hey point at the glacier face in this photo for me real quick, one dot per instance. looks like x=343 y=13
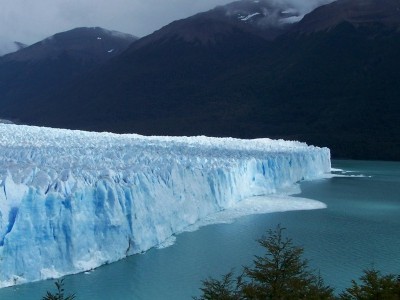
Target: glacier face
x=72 y=200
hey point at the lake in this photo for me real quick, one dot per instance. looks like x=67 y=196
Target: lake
x=358 y=229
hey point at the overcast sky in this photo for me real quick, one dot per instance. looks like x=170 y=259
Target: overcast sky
x=29 y=21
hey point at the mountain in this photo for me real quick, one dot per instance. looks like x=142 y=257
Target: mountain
x=331 y=81
x=203 y=44
x=35 y=70
x=356 y=12
x=88 y=45
x=264 y=18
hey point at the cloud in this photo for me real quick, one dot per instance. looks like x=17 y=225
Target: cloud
x=305 y=6
x=30 y=21
x=7 y=46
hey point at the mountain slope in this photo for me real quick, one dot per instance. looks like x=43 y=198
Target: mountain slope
x=163 y=68
x=333 y=85
x=85 y=44
x=159 y=81
x=356 y=12
x=55 y=61
x=264 y=18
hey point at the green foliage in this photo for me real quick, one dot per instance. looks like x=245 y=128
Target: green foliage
x=373 y=286
x=280 y=274
x=228 y=288
x=59 y=295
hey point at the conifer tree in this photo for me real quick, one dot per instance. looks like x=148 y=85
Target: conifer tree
x=59 y=295
x=282 y=273
x=228 y=288
x=373 y=286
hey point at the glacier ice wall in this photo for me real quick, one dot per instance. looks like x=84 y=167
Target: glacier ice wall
x=72 y=200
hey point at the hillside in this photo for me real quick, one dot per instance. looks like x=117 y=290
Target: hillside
x=28 y=75
x=330 y=79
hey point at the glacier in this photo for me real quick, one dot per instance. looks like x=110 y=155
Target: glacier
x=71 y=201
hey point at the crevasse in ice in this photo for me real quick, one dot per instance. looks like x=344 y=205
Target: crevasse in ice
x=72 y=200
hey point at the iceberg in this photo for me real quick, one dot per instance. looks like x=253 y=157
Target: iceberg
x=71 y=201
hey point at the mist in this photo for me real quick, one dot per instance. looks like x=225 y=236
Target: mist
x=304 y=6
x=7 y=46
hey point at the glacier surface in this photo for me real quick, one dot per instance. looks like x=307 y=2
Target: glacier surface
x=71 y=201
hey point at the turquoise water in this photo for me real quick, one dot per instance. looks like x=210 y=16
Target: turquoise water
x=360 y=228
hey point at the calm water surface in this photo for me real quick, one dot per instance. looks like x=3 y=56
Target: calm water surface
x=360 y=228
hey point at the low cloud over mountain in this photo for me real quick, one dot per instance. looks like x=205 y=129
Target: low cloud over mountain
x=9 y=46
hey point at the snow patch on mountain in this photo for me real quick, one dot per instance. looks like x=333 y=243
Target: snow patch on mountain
x=245 y=18
x=272 y=13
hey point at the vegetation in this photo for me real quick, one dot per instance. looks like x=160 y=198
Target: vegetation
x=373 y=286
x=59 y=295
x=228 y=288
x=281 y=273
